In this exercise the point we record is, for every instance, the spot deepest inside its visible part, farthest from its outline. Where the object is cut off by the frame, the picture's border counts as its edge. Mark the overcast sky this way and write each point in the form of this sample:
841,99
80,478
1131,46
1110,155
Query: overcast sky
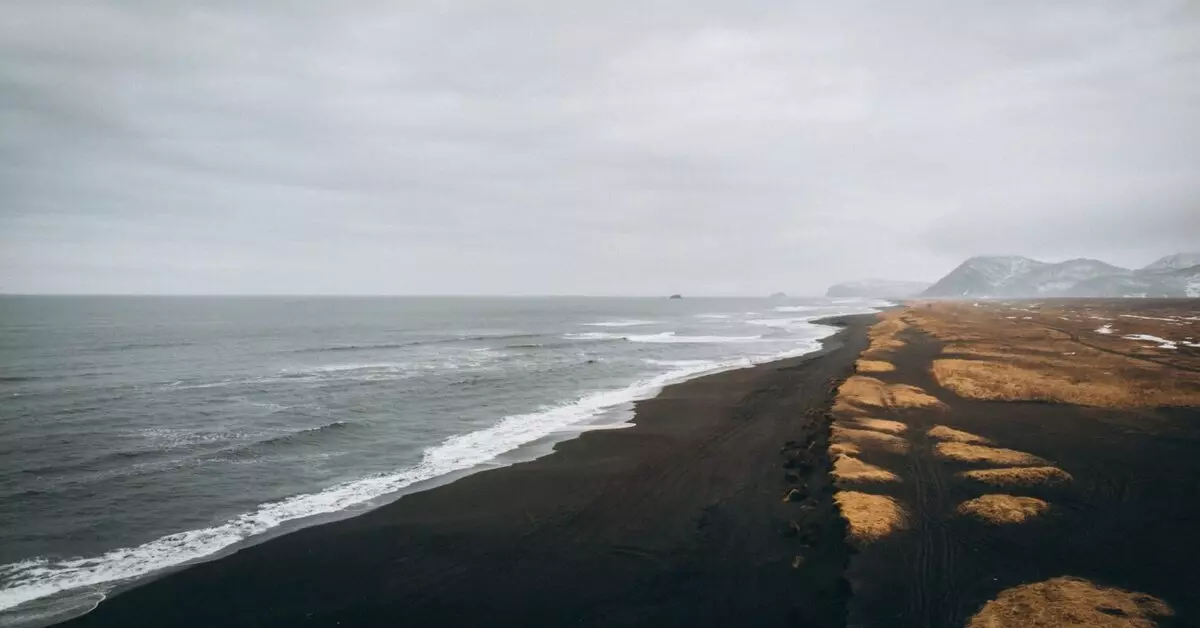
550,147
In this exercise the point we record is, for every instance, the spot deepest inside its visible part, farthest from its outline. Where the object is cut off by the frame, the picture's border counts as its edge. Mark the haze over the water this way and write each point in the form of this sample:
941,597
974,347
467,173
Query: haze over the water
160,146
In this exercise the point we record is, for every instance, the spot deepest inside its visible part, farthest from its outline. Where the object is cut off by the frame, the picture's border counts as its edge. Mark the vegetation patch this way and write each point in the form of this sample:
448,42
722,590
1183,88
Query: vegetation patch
1069,601
1003,509
851,470
879,425
1019,476
874,366
941,432
868,439
870,517
966,452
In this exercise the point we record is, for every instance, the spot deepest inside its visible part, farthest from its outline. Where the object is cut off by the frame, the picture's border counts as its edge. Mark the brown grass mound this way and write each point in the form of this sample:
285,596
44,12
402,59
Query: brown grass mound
869,517
849,449
941,432
1069,601
1001,509
848,469
867,439
874,366
1019,476
883,335
879,425
965,452
905,396
863,391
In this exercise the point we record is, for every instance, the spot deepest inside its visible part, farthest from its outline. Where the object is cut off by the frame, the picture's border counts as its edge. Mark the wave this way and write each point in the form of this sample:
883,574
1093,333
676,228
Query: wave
415,343
796,308
669,337
621,323
594,335
714,316
666,337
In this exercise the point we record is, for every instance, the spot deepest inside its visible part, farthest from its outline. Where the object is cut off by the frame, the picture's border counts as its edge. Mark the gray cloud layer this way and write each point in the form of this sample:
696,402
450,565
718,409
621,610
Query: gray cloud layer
570,147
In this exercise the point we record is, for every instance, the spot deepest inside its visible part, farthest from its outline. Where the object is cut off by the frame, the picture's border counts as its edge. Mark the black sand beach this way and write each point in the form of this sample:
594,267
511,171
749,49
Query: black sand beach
680,520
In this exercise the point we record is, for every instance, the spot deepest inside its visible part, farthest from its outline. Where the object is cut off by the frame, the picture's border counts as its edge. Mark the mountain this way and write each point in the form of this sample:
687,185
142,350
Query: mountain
1178,261
1172,276
884,288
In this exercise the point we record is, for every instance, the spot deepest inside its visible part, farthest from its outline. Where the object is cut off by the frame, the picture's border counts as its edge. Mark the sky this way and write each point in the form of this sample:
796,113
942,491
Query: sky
550,147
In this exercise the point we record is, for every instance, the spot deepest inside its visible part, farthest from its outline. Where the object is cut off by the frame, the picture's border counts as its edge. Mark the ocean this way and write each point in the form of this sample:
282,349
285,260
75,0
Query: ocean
138,434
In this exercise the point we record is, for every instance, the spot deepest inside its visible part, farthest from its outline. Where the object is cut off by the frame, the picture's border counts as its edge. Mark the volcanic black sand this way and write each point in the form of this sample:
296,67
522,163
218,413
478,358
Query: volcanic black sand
686,519
1129,519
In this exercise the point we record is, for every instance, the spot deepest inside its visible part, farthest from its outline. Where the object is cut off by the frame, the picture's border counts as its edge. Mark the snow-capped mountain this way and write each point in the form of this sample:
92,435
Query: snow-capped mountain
882,288
1178,261
1171,276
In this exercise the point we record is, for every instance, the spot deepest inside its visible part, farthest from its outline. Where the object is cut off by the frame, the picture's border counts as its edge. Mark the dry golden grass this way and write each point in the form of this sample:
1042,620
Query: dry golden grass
965,452
867,439
863,391
1003,509
883,335
874,366
849,449
879,425
1019,476
941,432
868,392
852,470
905,396
1066,602
870,517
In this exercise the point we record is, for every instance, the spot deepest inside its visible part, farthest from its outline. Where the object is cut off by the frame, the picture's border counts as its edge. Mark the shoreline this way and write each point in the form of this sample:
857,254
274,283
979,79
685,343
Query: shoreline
593,458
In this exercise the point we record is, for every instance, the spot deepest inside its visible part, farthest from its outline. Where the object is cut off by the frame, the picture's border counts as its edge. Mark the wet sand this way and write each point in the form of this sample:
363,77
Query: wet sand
686,519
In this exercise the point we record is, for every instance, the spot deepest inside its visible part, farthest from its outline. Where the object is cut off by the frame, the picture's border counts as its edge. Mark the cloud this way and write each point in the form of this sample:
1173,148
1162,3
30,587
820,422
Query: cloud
538,147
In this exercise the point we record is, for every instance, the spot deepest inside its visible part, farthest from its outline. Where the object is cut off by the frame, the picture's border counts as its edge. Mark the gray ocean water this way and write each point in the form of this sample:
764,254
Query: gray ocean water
141,433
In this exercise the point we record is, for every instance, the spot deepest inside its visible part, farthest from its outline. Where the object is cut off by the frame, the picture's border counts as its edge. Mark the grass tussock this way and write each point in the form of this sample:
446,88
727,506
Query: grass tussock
943,433
867,392
870,517
874,366
843,448
868,439
883,335
1070,601
965,452
1003,509
905,396
879,425
852,470
1019,476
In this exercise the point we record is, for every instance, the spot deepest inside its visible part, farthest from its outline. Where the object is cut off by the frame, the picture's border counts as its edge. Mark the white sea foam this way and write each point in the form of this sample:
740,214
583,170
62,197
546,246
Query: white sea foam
779,323
714,316
594,335
669,337
796,308
622,323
